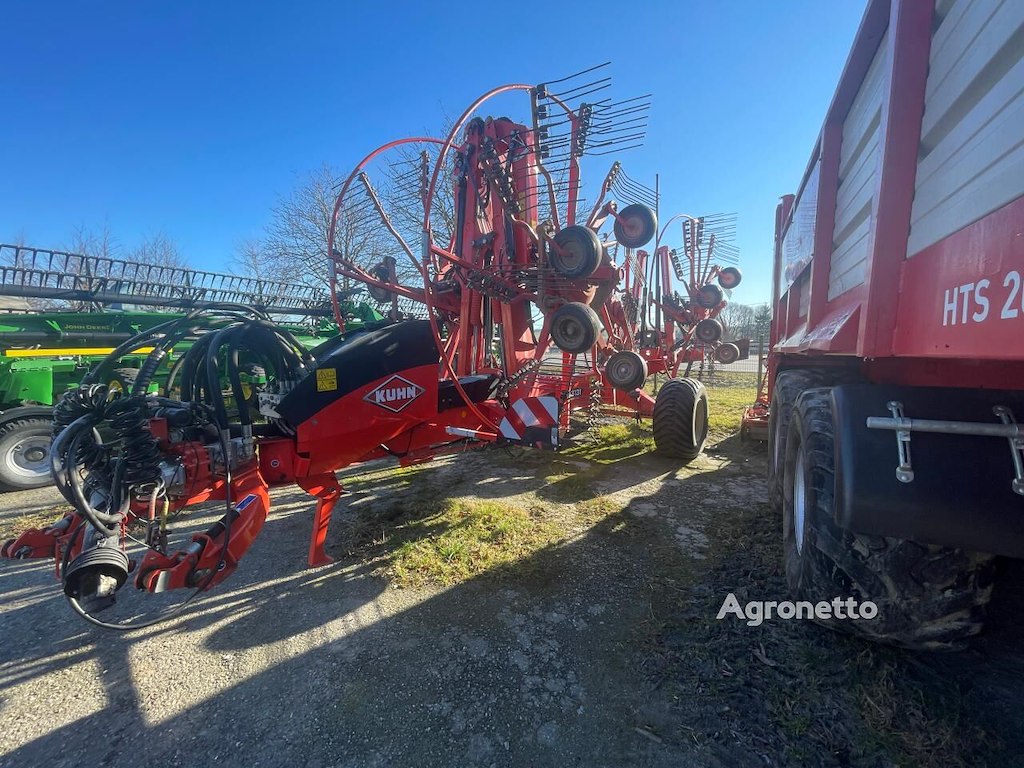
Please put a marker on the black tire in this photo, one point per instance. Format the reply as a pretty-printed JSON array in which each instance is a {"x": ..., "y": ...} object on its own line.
[
  {"x": 787, "y": 388},
  {"x": 727, "y": 353},
  {"x": 928, "y": 597},
  {"x": 626, "y": 371},
  {"x": 24, "y": 454},
  {"x": 577, "y": 252},
  {"x": 574, "y": 327},
  {"x": 709, "y": 297},
  {"x": 729, "y": 278},
  {"x": 681, "y": 419},
  {"x": 708, "y": 331},
  {"x": 382, "y": 273},
  {"x": 635, "y": 225},
  {"x": 123, "y": 380}
]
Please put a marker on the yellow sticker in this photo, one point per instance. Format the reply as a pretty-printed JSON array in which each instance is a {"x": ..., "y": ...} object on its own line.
[{"x": 326, "y": 379}]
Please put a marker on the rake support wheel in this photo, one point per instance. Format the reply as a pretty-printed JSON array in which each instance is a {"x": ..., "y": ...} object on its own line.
[
  {"x": 576, "y": 252},
  {"x": 574, "y": 327},
  {"x": 708, "y": 331},
  {"x": 626, "y": 371},
  {"x": 681, "y": 419},
  {"x": 635, "y": 225}
]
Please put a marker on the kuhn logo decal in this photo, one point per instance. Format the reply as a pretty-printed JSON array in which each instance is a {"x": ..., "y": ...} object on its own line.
[{"x": 395, "y": 394}]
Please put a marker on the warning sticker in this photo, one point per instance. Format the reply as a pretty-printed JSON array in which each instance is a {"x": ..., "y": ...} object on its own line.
[{"x": 326, "y": 379}]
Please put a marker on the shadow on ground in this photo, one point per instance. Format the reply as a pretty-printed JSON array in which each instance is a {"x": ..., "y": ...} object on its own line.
[{"x": 602, "y": 650}]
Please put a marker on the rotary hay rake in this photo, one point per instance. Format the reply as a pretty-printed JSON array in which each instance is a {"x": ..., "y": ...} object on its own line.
[{"x": 528, "y": 317}]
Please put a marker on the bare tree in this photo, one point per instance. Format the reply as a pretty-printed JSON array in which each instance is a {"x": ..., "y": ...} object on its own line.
[
  {"x": 159, "y": 250},
  {"x": 89, "y": 242},
  {"x": 252, "y": 258},
  {"x": 296, "y": 239},
  {"x": 738, "y": 320}
]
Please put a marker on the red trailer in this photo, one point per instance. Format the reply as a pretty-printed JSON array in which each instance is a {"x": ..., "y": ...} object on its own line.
[{"x": 896, "y": 371}]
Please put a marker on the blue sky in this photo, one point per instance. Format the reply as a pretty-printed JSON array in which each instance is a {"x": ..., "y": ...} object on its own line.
[{"x": 192, "y": 118}]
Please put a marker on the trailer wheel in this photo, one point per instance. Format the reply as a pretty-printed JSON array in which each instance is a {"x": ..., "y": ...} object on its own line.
[
  {"x": 25, "y": 454},
  {"x": 574, "y": 327},
  {"x": 710, "y": 296},
  {"x": 788, "y": 386},
  {"x": 729, "y": 278},
  {"x": 681, "y": 419},
  {"x": 122, "y": 380},
  {"x": 577, "y": 253},
  {"x": 927, "y": 597},
  {"x": 626, "y": 370},
  {"x": 727, "y": 353},
  {"x": 635, "y": 225},
  {"x": 708, "y": 330}
]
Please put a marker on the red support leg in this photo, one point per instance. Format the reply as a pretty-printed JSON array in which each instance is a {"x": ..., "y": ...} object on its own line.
[{"x": 327, "y": 491}]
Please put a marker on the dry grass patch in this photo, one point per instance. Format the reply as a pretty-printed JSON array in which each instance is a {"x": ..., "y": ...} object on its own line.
[
  {"x": 466, "y": 539},
  {"x": 13, "y": 526}
]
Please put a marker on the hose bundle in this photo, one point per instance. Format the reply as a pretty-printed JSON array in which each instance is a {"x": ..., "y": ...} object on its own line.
[{"x": 103, "y": 450}]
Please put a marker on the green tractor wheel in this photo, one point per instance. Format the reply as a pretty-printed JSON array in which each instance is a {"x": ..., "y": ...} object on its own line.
[
  {"x": 25, "y": 453},
  {"x": 122, "y": 380}
]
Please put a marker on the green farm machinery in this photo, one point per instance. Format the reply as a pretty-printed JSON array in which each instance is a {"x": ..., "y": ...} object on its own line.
[{"x": 65, "y": 312}]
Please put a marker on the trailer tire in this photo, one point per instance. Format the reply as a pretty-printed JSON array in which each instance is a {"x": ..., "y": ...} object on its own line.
[
  {"x": 24, "y": 453},
  {"x": 927, "y": 597},
  {"x": 787, "y": 389},
  {"x": 680, "y": 420}
]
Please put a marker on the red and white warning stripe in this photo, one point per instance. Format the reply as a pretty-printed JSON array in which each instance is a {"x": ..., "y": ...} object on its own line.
[{"x": 529, "y": 412}]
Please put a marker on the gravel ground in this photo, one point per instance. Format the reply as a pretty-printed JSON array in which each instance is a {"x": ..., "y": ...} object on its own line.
[{"x": 602, "y": 650}]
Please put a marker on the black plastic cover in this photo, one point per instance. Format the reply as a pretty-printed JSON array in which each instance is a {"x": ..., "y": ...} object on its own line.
[{"x": 359, "y": 359}]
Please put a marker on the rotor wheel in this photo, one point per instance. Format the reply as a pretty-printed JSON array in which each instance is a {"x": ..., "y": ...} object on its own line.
[
  {"x": 727, "y": 353},
  {"x": 635, "y": 225},
  {"x": 708, "y": 331},
  {"x": 729, "y": 278},
  {"x": 626, "y": 371},
  {"x": 576, "y": 253},
  {"x": 574, "y": 327},
  {"x": 709, "y": 296}
]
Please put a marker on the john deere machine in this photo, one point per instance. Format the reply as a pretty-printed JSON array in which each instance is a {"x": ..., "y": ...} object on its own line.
[{"x": 65, "y": 312}]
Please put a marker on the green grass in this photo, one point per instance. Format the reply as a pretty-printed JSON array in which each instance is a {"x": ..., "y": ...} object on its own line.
[
  {"x": 725, "y": 408},
  {"x": 465, "y": 539}
]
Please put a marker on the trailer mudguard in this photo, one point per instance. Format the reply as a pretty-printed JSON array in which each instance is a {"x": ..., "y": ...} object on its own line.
[{"x": 960, "y": 495}]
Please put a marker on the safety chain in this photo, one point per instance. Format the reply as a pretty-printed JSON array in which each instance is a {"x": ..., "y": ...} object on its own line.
[
  {"x": 629, "y": 305},
  {"x": 507, "y": 385}
]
